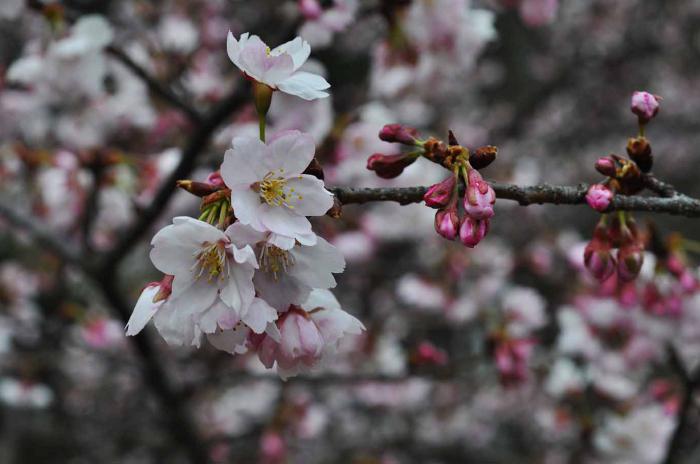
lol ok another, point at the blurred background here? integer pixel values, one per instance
(506, 353)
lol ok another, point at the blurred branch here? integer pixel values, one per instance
(678, 204)
(196, 144)
(691, 381)
(153, 85)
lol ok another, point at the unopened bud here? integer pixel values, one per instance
(479, 197)
(215, 179)
(447, 223)
(397, 133)
(639, 149)
(606, 166)
(472, 231)
(598, 260)
(165, 288)
(200, 189)
(440, 194)
(389, 166)
(629, 261)
(599, 197)
(645, 106)
(483, 156)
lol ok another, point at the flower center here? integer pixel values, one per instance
(211, 261)
(275, 260)
(273, 190)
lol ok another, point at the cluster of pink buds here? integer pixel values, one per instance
(624, 176)
(479, 197)
(615, 247)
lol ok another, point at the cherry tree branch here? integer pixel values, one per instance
(154, 85)
(691, 381)
(678, 204)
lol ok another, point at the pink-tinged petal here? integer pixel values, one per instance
(289, 153)
(238, 291)
(247, 207)
(268, 352)
(144, 310)
(174, 246)
(334, 323)
(174, 325)
(244, 163)
(283, 221)
(298, 49)
(268, 69)
(273, 332)
(258, 315)
(242, 235)
(230, 341)
(309, 198)
(314, 265)
(305, 85)
(234, 47)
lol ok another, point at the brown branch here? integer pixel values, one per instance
(154, 86)
(680, 205)
(691, 381)
(197, 143)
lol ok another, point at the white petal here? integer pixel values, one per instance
(310, 198)
(196, 298)
(305, 85)
(247, 207)
(230, 341)
(282, 242)
(280, 292)
(334, 323)
(238, 292)
(290, 152)
(244, 163)
(264, 68)
(314, 265)
(284, 221)
(258, 315)
(233, 47)
(242, 235)
(298, 49)
(209, 320)
(144, 310)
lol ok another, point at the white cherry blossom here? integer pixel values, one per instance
(269, 191)
(277, 68)
(289, 270)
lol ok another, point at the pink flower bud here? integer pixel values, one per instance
(440, 194)
(447, 223)
(606, 166)
(389, 166)
(215, 179)
(427, 353)
(300, 341)
(645, 106)
(479, 198)
(311, 9)
(598, 260)
(599, 197)
(396, 133)
(472, 231)
(629, 261)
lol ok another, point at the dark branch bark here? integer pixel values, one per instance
(198, 141)
(153, 85)
(690, 381)
(679, 205)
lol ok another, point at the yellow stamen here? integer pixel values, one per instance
(211, 260)
(275, 260)
(273, 190)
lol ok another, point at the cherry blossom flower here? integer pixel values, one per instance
(206, 266)
(269, 191)
(277, 68)
(308, 335)
(289, 271)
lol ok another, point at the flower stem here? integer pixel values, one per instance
(261, 126)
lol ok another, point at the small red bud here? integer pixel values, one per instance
(396, 133)
(447, 223)
(606, 166)
(645, 106)
(389, 166)
(440, 194)
(472, 231)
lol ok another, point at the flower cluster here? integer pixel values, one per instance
(250, 273)
(478, 195)
(625, 176)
